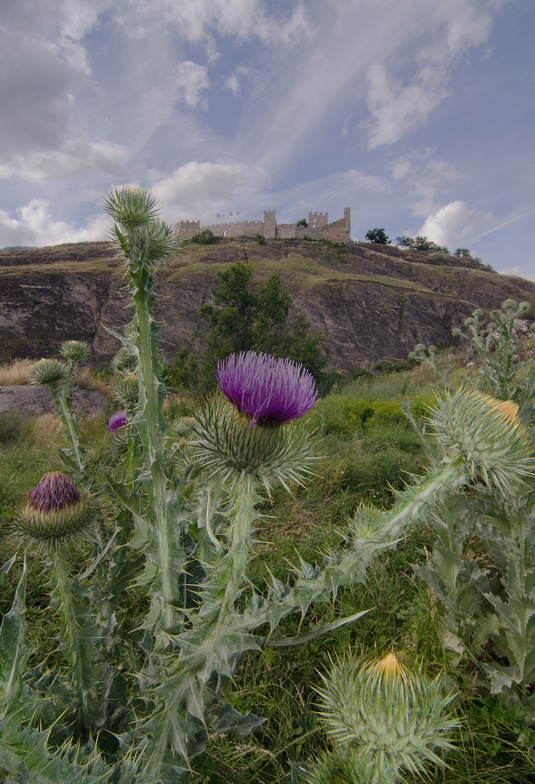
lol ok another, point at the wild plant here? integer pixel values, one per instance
(166, 523)
(482, 567)
(384, 719)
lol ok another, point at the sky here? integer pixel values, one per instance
(417, 114)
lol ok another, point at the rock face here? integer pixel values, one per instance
(37, 400)
(368, 302)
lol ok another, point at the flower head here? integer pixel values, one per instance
(56, 513)
(265, 388)
(116, 421)
(54, 491)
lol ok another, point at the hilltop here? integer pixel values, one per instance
(368, 302)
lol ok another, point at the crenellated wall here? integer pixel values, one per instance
(318, 228)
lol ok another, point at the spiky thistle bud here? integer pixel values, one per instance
(124, 362)
(126, 391)
(486, 434)
(265, 388)
(225, 445)
(56, 513)
(48, 372)
(74, 350)
(382, 712)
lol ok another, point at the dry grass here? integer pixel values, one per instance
(17, 372)
(86, 380)
(46, 430)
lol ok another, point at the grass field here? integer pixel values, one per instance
(366, 449)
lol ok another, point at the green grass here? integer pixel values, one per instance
(366, 449)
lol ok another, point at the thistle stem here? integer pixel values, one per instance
(153, 442)
(77, 650)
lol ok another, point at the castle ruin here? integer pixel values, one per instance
(318, 228)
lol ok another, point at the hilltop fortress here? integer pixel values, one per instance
(318, 228)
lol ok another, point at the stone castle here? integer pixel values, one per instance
(318, 228)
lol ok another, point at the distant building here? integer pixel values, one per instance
(318, 228)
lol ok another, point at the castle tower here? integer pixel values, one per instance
(270, 224)
(317, 220)
(347, 219)
(186, 229)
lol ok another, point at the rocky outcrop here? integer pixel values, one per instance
(368, 302)
(37, 400)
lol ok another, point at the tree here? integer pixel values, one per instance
(421, 243)
(302, 222)
(379, 236)
(204, 237)
(241, 318)
(405, 242)
(463, 253)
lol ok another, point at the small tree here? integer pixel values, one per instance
(243, 319)
(204, 237)
(379, 236)
(302, 222)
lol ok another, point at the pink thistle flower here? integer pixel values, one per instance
(265, 388)
(116, 421)
(54, 492)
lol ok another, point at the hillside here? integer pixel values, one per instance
(367, 301)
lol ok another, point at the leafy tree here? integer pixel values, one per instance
(241, 318)
(463, 253)
(302, 222)
(421, 243)
(379, 236)
(405, 242)
(204, 237)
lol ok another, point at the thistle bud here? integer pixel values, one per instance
(381, 712)
(126, 391)
(225, 445)
(48, 372)
(56, 513)
(74, 350)
(486, 434)
(124, 362)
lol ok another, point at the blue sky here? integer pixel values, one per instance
(418, 114)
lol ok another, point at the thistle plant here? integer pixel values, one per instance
(176, 523)
(384, 719)
(483, 561)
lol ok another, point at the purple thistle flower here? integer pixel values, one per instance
(116, 421)
(265, 388)
(54, 492)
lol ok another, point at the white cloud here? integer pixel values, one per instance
(455, 225)
(427, 180)
(197, 20)
(234, 81)
(519, 271)
(190, 80)
(198, 190)
(34, 225)
(448, 30)
(396, 108)
(73, 159)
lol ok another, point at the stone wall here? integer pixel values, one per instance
(318, 228)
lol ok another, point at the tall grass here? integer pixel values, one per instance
(17, 372)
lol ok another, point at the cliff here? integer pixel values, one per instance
(368, 302)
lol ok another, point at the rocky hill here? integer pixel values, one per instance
(368, 302)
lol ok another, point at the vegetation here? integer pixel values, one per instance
(379, 236)
(162, 619)
(245, 319)
(421, 243)
(204, 237)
